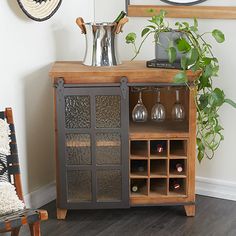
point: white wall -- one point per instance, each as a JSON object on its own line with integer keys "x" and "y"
{"x": 27, "y": 50}
{"x": 222, "y": 168}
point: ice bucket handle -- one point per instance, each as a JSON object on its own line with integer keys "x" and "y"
{"x": 120, "y": 25}
{"x": 118, "y": 29}
{"x": 80, "y": 23}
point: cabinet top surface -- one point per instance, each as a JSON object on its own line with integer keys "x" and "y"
{"x": 136, "y": 71}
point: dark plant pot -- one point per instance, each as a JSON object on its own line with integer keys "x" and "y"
{"x": 164, "y": 39}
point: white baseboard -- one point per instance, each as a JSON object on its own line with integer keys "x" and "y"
{"x": 41, "y": 196}
{"x": 204, "y": 186}
{"x": 216, "y": 188}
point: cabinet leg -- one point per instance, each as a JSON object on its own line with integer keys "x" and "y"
{"x": 61, "y": 214}
{"x": 190, "y": 210}
{"x": 35, "y": 229}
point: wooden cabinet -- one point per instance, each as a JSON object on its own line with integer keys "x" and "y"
{"x": 103, "y": 158}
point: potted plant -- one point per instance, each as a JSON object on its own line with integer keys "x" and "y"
{"x": 195, "y": 54}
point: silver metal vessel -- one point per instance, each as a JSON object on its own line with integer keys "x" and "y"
{"x": 101, "y": 44}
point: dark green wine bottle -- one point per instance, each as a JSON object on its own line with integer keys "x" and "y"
{"x": 121, "y": 15}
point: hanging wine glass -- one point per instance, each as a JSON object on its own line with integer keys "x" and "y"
{"x": 139, "y": 113}
{"x": 178, "y": 112}
{"x": 158, "y": 113}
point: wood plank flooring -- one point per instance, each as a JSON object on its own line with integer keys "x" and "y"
{"x": 214, "y": 217}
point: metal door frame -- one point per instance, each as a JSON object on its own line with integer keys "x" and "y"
{"x": 93, "y": 90}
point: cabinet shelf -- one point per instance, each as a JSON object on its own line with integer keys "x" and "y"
{"x": 137, "y": 175}
{"x": 168, "y": 129}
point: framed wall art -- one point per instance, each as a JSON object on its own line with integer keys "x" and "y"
{"x": 206, "y": 9}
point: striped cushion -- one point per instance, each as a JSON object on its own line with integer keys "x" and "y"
{"x": 3, "y": 169}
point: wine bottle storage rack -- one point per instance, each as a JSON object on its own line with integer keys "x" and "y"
{"x": 139, "y": 168}
{"x": 141, "y": 185}
{"x": 155, "y": 146}
{"x": 164, "y": 165}
{"x": 139, "y": 149}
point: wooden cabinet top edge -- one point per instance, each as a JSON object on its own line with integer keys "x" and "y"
{"x": 136, "y": 72}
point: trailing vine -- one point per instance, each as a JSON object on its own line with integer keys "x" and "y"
{"x": 196, "y": 54}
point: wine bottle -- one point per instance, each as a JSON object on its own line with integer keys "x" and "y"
{"x": 179, "y": 167}
{"x": 134, "y": 188}
{"x": 160, "y": 148}
{"x": 141, "y": 169}
{"x": 176, "y": 185}
{"x": 120, "y": 16}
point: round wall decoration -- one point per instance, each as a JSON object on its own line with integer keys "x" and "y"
{"x": 183, "y": 2}
{"x": 39, "y": 10}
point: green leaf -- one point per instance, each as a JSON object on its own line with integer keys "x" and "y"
{"x": 193, "y": 56}
{"x": 215, "y": 70}
{"x": 181, "y": 77}
{"x": 206, "y": 60}
{"x": 217, "y": 97}
{"x": 195, "y": 23}
{"x": 186, "y": 24}
{"x": 218, "y": 35}
{"x": 151, "y": 10}
{"x": 208, "y": 72}
{"x": 195, "y": 67}
{"x": 218, "y": 128}
{"x": 130, "y": 38}
{"x": 184, "y": 61}
{"x": 230, "y": 102}
{"x": 204, "y": 82}
{"x": 203, "y": 101}
{"x": 172, "y": 54}
{"x": 151, "y": 26}
{"x": 163, "y": 13}
{"x": 183, "y": 45}
{"x": 145, "y": 31}
{"x": 201, "y": 150}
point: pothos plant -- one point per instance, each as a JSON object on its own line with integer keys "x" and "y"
{"x": 196, "y": 54}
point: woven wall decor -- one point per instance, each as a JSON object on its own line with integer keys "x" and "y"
{"x": 39, "y": 10}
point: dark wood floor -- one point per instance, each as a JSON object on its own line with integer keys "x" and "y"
{"x": 214, "y": 217}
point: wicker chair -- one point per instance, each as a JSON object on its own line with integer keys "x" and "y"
{"x": 13, "y": 222}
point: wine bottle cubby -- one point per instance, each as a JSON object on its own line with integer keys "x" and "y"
{"x": 138, "y": 168}
{"x": 139, "y": 149}
{"x": 178, "y": 149}
{"x": 158, "y": 168}
{"x": 177, "y": 186}
{"x": 158, "y": 148}
{"x": 139, "y": 187}
{"x": 158, "y": 187}
{"x": 178, "y": 167}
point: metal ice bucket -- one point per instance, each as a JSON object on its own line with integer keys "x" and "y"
{"x": 101, "y": 43}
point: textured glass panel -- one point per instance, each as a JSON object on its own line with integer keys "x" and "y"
{"x": 78, "y": 149}
{"x": 108, "y": 112}
{"x": 108, "y": 148}
{"x": 77, "y": 112}
{"x": 108, "y": 185}
{"x": 79, "y": 184}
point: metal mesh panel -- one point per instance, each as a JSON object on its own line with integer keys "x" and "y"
{"x": 78, "y": 149}
{"x": 108, "y": 111}
{"x": 77, "y": 112}
{"x": 108, "y": 148}
{"x": 109, "y": 185}
{"x": 79, "y": 184}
